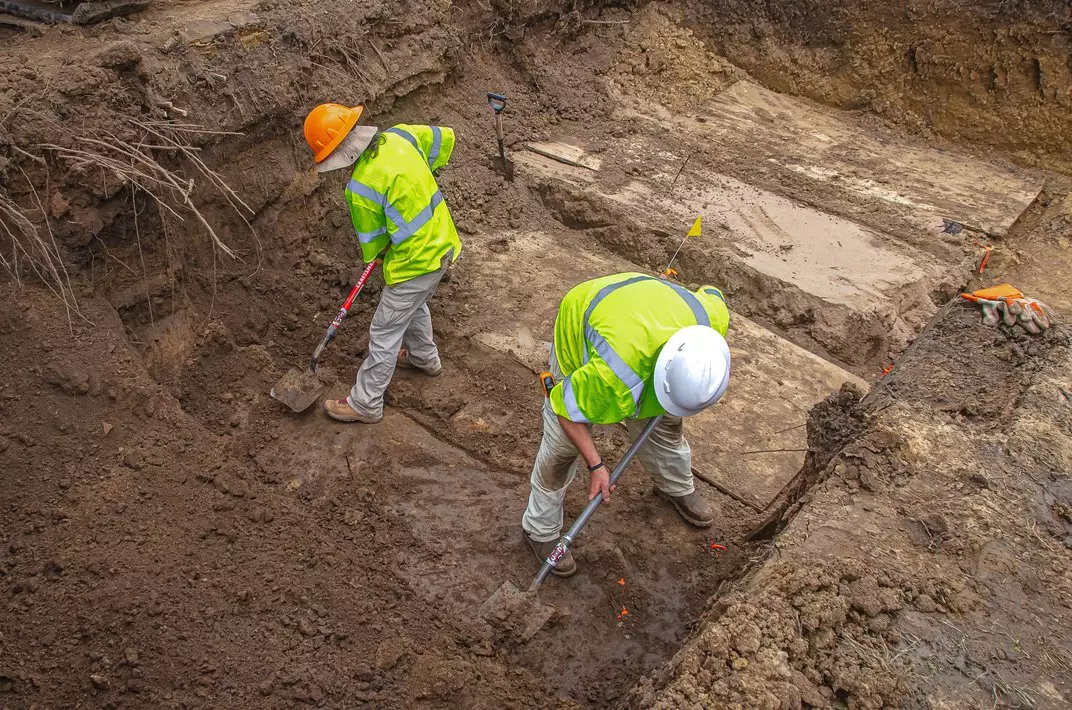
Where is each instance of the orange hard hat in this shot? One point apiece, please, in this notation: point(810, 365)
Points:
point(326, 126)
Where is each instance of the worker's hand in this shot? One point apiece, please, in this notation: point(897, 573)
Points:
point(599, 483)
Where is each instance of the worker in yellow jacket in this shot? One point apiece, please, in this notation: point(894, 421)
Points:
point(396, 207)
point(627, 348)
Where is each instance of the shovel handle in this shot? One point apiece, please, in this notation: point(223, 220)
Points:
point(499, 130)
point(333, 329)
point(564, 543)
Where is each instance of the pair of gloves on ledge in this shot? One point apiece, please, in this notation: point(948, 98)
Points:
point(1007, 305)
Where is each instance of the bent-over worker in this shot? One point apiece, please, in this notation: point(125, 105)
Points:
point(627, 347)
point(395, 205)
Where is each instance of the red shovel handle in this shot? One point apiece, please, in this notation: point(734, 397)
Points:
point(334, 327)
point(357, 287)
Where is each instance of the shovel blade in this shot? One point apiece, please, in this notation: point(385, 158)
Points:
point(299, 388)
point(503, 164)
point(519, 614)
point(507, 168)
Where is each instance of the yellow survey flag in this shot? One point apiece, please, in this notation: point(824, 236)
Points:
point(697, 227)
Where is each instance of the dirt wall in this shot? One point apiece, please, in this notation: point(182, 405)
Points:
point(993, 73)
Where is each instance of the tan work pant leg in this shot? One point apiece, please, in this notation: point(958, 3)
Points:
point(666, 456)
point(402, 317)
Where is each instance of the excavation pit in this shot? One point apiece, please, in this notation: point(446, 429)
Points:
point(173, 537)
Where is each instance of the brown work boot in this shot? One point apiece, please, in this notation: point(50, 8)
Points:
point(566, 566)
point(406, 363)
point(341, 410)
point(692, 507)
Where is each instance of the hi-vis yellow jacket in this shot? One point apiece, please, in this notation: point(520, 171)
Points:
point(608, 335)
point(394, 201)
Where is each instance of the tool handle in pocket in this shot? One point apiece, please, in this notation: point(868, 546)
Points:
point(547, 381)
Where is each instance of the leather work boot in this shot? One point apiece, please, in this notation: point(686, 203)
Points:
point(692, 507)
point(340, 409)
point(566, 566)
point(406, 363)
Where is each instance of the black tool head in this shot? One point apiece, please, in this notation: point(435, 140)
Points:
point(497, 101)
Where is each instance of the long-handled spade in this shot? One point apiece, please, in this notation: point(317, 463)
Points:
point(521, 612)
point(300, 387)
point(498, 105)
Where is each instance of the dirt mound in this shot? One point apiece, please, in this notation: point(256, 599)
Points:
point(665, 64)
point(931, 564)
point(144, 554)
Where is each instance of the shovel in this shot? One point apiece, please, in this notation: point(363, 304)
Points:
point(498, 104)
point(521, 613)
point(300, 387)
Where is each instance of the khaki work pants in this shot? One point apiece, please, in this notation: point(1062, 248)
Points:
point(402, 319)
point(666, 456)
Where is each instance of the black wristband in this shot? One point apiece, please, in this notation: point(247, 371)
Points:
point(597, 466)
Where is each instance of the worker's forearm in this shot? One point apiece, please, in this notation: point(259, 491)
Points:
point(581, 437)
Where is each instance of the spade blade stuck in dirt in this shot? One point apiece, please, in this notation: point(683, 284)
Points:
point(300, 387)
point(503, 163)
point(521, 613)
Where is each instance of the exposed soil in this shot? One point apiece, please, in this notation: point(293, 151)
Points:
point(994, 72)
point(173, 538)
point(928, 567)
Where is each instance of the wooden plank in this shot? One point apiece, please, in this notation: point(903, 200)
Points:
point(565, 153)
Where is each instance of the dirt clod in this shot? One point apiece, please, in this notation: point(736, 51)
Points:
point(389, 653)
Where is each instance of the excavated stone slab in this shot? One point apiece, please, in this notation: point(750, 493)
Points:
point(774, 382)
point(753, 442)
point(826, 146)
point(855, 290)
point(832, 258)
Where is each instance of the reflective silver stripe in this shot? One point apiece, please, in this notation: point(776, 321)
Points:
point(437, 140)
point(603, 293)
point(694, 303)
point(421, 219)
point(404, 229)
point(378, 198)
point(369, 237)
point(407, 135)
point(609, 355)
point(617, 365)
point(715, 292)
point(570, 399)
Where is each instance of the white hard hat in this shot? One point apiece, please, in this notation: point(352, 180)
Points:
point(692, 371)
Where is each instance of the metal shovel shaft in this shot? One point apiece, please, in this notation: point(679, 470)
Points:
point(564, 543)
